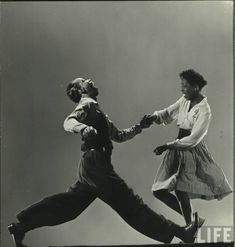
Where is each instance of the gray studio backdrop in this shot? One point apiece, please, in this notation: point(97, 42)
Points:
point(134, 51)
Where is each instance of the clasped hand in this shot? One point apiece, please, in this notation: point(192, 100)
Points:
point(147, 120)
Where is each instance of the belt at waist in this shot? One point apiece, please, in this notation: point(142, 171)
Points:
point(105, 148)
point(183, 133)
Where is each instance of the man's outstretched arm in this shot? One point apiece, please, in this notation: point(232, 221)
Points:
point(123, 135)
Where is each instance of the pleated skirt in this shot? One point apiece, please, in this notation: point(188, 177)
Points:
point(193, 171)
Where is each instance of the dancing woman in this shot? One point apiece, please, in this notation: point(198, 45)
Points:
point(187, 167)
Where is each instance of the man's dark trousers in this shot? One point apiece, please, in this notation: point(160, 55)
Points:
point(96, 178)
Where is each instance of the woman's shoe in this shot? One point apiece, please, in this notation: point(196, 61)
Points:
point(201, 221)
point(191, 230)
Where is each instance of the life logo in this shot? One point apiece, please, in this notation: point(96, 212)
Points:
point(214, 234)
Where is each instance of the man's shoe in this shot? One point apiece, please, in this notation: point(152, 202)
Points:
point(190, 232)
point(17, 234)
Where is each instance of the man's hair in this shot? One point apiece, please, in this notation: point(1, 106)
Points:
point(73, 91)
point(193, 78)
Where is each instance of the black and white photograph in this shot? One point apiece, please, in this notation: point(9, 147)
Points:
point(117, 123)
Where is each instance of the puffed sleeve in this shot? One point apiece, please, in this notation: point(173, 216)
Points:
point(198, 132)
point(169, 114)
point(73, 123)
point(123, 135)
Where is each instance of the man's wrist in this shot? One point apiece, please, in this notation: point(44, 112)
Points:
point(82, 130)
point(138, 128)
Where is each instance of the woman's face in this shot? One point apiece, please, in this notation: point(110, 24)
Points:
point(190, 92)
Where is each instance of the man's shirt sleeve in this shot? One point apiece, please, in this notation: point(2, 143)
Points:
point(123, 135)
point(73, 123)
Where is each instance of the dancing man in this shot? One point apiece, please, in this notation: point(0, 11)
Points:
point(97, 178)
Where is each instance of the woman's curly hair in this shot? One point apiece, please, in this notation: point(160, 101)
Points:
point(193, 78)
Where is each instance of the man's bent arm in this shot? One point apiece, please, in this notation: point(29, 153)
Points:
point(71, 124)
